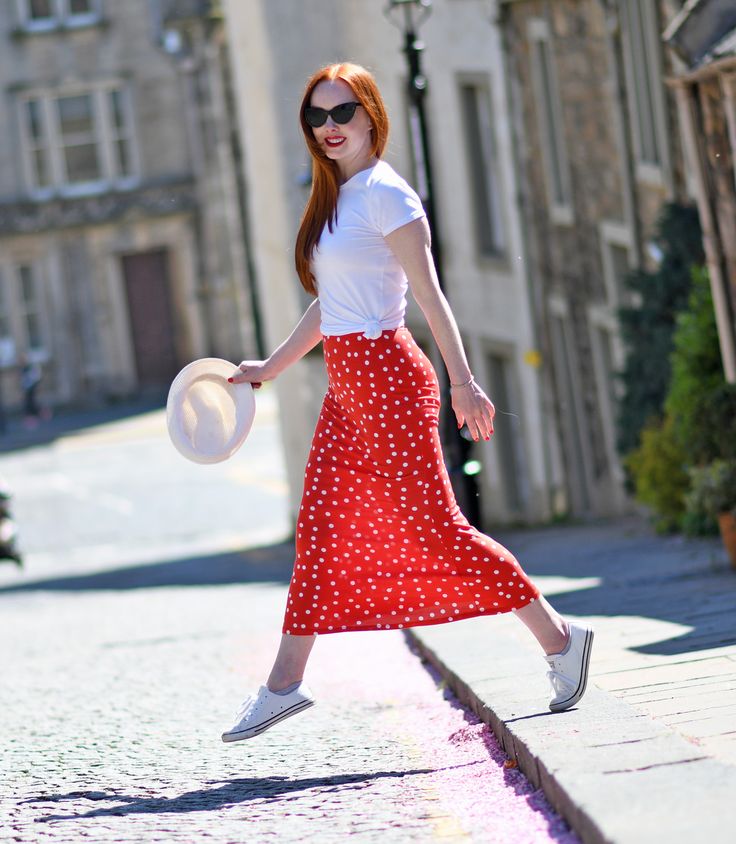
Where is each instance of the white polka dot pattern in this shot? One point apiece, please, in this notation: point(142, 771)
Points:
point(380, 540)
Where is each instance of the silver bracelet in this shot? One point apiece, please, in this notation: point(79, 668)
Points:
point(464, 384)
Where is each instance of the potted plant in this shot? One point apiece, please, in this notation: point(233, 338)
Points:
point(713, 491)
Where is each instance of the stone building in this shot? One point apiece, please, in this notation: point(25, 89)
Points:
point(122, 251)
point(598, 154)
point(276, 45)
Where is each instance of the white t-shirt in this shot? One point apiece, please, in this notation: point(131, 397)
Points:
point(360, 283)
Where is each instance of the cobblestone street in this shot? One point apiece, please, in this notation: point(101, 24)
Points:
point(122, 667)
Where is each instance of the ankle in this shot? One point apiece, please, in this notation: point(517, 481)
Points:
point(559, 643)
point(281, 684)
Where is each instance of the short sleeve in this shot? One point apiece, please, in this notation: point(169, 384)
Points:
point(394, 204)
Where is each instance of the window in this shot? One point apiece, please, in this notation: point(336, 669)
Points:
point(120, 133)
point(607, 362)
point(6, 332)
point(484, 182)
point(78, 141)
point(37, 144)
point(22, 317)
point(7, 343)
point(644, 78)
point(549, 118)
point(571, 409)
point(41, 15)
point(616, 249)
point(30, 308)
point(40, 10)
point(507, 437)
point(620, 268)
point(603, 340)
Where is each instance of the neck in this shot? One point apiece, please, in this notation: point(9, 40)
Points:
point(349, 169)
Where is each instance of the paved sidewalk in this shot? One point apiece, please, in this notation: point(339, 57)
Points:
point(649, 754)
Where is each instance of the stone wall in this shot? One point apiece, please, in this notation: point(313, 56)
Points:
point(608, 189)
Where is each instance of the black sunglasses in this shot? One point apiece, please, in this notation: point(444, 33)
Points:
point(341, 114)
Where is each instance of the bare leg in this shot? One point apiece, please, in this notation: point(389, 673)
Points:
point(547, 626)
point(291, 660)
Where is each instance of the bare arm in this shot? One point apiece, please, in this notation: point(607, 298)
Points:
point(302, 339)
point(411, 245)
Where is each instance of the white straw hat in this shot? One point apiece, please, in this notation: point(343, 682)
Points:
point(209, 419)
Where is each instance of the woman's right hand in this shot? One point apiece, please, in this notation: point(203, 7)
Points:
point(253, 372)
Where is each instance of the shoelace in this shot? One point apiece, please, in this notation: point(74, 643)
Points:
point(560, 683)
point(246, 706)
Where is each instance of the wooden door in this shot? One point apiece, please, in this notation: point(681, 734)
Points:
point(151, 320)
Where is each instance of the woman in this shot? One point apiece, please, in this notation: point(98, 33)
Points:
point(380, 541)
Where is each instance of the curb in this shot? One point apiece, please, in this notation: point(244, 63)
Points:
point(615, 776)
point(515, 748)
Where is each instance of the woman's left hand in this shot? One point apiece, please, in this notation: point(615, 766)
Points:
point(473, 408)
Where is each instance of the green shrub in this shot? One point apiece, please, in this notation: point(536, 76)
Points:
point(697, 372)
point(658, 470)
point(697, 519)
point(700, 426)
point(713, 489)
point(713, 434)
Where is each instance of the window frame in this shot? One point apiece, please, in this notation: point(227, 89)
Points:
point(557, 173)
point(7, 332)
point(614, 234)
point(61, 16)
point(657, 173)
point(577, 451)
point(66, 142)
point(34, 311)
point(106, 135)
point(511, 465)
point(602, 319)
point(18, 336)
point(487, 151)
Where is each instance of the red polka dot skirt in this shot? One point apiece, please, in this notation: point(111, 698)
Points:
point(381, 543)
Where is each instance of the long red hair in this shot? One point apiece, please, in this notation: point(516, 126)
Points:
point(322, 202)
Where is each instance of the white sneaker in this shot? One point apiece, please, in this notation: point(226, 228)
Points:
point(569, 670)
point(265, 709)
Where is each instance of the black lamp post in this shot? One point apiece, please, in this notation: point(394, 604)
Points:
point(408, 16)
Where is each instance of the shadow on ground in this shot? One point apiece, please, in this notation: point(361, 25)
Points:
point(228, 793)
point(638, 574)
point(269, 564)
point(68, 421)
point(685, 581)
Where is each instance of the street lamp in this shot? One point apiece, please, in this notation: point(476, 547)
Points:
point(408, 16)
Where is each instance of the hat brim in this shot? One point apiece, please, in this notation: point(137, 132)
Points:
point(208, 419)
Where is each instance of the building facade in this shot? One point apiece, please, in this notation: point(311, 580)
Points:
point(122, 253)
point(598, 154)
